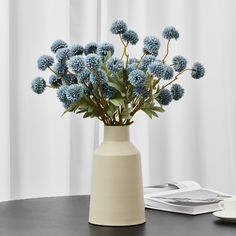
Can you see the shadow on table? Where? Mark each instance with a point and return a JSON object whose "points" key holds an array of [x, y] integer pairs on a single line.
{"points": [[138, 230], [224, 223]]}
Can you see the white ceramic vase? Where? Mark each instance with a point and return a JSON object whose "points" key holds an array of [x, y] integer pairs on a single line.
{"points": [[117, 189]]}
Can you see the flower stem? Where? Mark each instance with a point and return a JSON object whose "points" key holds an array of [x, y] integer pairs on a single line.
{"points": [[53, 71], [167, 51], [125, 51], [141, 58], [176, 77]]}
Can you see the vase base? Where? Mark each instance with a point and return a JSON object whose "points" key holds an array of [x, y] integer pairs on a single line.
{"points": [[117, 224]]}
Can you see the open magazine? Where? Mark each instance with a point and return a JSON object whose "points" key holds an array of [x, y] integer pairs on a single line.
{"points": [[186, 197]]}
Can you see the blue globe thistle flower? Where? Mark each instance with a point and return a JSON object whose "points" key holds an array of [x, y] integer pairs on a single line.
{"points": [[168, 72], [146, 61], [54, 81], [141, 91], [179, 63], [90, 48], [118, 27], [61, 93], [132, 60], [83, 77], [165, 97], [108, 91], [155, 54], [198, 70], [44, 62], [104, 48], [76, 64], [74, 92], [57, 45], [156, 69], [75, 50], [132, 67], [114, 64], [99, 75], [92, 61], [62, 54], [38, 85], [151, 44], [70, 79], [137, 77], [130, 37], [177, 91], [170, 32], [60, 68]]}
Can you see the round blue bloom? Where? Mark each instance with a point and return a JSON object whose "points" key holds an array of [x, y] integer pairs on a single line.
{"points": [[133, 60], [74, 92], [165, 97], [38, 85], [90, 48], [61, 93], [84, 76], [60, 68], [62, 54], [75, 50], [141, 91], [114, 64], [146, 61], [168, 72], [130, 37], [76, 63], [156, 69], [179, 63], [177, 91], [108, 91], [145, 51], [151, 44], [198, 70], [92, 61], [98, 75], [104, 48], [118, 27], [57, 45], [54, 81], [70, 79], [132, 67], [137, 77], [170, 33], [44, 62]]}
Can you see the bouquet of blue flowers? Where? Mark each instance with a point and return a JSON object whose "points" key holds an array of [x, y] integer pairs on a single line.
{"points": [[91, 80]]}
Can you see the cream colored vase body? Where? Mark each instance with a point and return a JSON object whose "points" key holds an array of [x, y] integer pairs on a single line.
{"points": [[117, 189]]}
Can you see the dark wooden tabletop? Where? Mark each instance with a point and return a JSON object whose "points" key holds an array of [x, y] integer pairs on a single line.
{"points": [[68, 216]]}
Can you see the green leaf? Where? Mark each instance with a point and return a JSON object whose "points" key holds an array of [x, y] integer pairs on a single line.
{"points": [[118, 87], [86, 115], [126, 113], [159, 109], [155, 82], [118, 102], [148, 81], [149, 112], [111, 110]]}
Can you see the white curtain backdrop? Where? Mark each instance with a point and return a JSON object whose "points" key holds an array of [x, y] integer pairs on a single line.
{"points": [[43, 154]]}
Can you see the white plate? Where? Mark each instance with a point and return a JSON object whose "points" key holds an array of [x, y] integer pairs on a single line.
{"points": [[224, 216]]}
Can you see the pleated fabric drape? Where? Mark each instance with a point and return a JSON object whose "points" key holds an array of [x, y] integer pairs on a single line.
{"points": [[43, 154]]}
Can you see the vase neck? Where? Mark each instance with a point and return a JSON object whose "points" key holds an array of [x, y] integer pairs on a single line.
{"points": [[116, 133]]}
